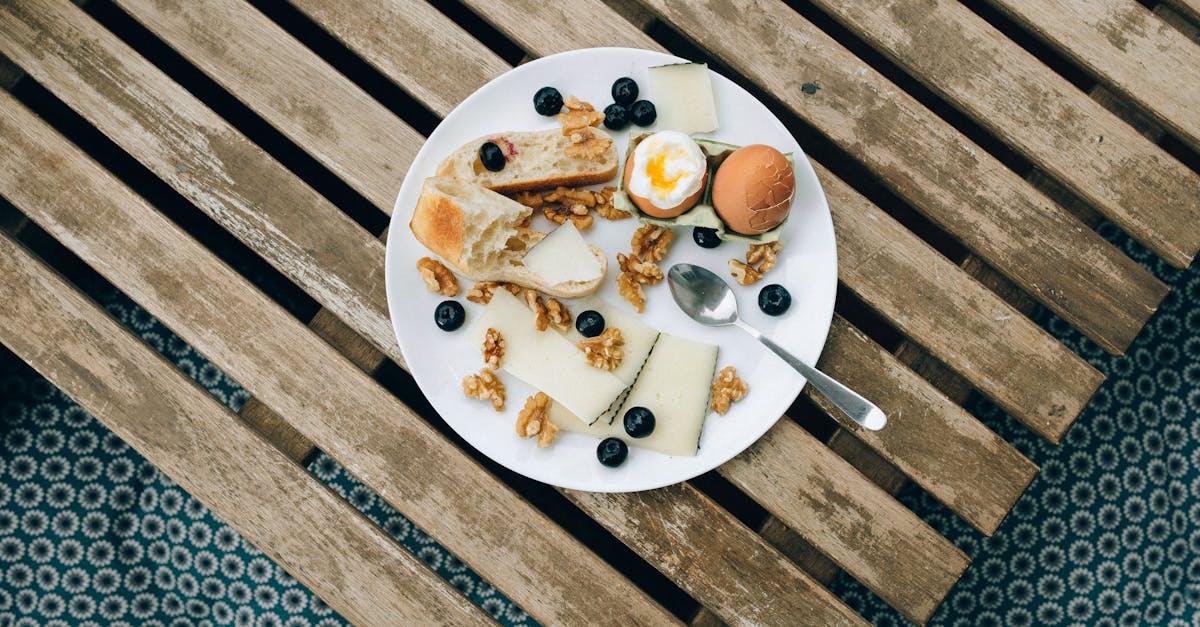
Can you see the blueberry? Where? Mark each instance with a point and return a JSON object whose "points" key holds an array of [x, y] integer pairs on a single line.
{"points": [[589, 323], [624, 90], [643, 113], [616, 117], [705, 238], [774, 299], [612, 452], [449, 315], [547, 101], [639, 422], [491, 156]]}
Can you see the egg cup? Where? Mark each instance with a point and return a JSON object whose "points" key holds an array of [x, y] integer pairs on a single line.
{"points": [[702, 214]]}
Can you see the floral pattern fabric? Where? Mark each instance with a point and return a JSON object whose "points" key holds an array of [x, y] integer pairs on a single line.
{"points": [[1108, 533]]}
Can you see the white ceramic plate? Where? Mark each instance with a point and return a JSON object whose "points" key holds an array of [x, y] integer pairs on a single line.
{"points": [[807, 267]]}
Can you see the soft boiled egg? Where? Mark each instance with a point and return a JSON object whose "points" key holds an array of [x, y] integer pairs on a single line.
{"points": [[666, 173]]}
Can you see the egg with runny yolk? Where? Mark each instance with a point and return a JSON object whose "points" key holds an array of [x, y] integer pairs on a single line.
{"points": [[666, 173]]}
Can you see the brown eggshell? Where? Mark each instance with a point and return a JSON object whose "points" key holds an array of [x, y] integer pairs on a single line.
{"points": [[753, 189], [650, 208]]}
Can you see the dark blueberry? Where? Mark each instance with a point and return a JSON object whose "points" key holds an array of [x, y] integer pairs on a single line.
{"points": [[639, 422], [589, 323], [774, 299], [612, 452], [705, 238], [491, 156], [624, 90], [643, 113], [449, 315], [616, 117], [547, 101]]}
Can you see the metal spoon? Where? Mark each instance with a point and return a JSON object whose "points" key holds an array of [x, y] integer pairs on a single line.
{"points": [[708, 300]]}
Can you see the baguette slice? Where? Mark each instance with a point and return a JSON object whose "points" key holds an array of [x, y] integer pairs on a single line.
{"points": [[540, 162], [475, 231]]}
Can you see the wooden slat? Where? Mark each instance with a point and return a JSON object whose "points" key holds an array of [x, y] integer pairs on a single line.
{"points": [[1000, 351], [333, 404], [1129, 49], [1189, 9], [979, 70], [972, 470], [718, 585], [646, 529], [957, 184], [527, 23], [275, 504], [421, 38], [202, 157], [239, 48]]}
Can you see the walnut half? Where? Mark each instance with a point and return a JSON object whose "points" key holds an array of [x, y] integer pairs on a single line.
{"points": [[482, 291], [493, 348], [726, 389], [485, 386], [534, 419], [650, 242], [438, 277], [742, 273], [631, 291], [604, 350]]}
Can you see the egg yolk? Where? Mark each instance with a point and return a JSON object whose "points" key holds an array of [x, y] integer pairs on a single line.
{"points": [[656, 171]]}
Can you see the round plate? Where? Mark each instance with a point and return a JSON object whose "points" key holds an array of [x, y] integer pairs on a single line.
{"points": [[807, 267]]}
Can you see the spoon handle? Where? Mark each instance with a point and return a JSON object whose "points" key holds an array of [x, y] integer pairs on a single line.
{"points": [[859, 409]]}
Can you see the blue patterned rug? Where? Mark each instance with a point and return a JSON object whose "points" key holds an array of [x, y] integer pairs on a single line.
{"points": [[1108, 534]]}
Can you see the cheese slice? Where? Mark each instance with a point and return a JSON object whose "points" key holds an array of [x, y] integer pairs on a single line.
{"points": [[674, 385], [683, 97], [546, 360], [563, 257]]}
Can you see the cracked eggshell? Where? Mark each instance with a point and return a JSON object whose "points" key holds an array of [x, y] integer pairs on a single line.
{"points": [[752, 190]]}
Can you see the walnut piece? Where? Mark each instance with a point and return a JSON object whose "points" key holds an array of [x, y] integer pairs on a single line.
{"points": [[573, 103], [605, 207], [541, 315], [558, 314], [631, 291], [742, 273], [534, 419], [764, 255], [482, 291], [604, 350], [485, 386], [574, 120], [438, 277], [586, 144], [644, 272], [650, 242], [493, 348], [572, 203], [726, 389]]}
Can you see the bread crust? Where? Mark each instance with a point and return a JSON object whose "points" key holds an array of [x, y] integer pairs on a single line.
{"points": [[438, 224], [519, 175]]}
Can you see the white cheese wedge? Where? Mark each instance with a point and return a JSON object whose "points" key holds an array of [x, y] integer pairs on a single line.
{"points": [[546, 360], [563, 256], [674, 385], [683, 97]]}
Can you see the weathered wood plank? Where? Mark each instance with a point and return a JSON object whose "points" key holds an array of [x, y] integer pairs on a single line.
{"points": [[331, 118], [674, 522], [333, 404], [980, 71], [202, 157], [1189, 9], [955, 183], [420, 40], [991, 474], [851, 520], [527, 23], [288, 514], [1128, 49]]}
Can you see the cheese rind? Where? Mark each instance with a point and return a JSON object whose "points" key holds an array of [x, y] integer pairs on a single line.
{"points": [[546, 360], [683, 97], [563, 257], [674, 385]]}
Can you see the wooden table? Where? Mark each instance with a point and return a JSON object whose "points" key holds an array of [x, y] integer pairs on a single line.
{"points": [[231, 167]]}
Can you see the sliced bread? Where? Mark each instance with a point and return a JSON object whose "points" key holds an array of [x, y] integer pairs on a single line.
{"points": [[536, 160], [476, 232]]}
